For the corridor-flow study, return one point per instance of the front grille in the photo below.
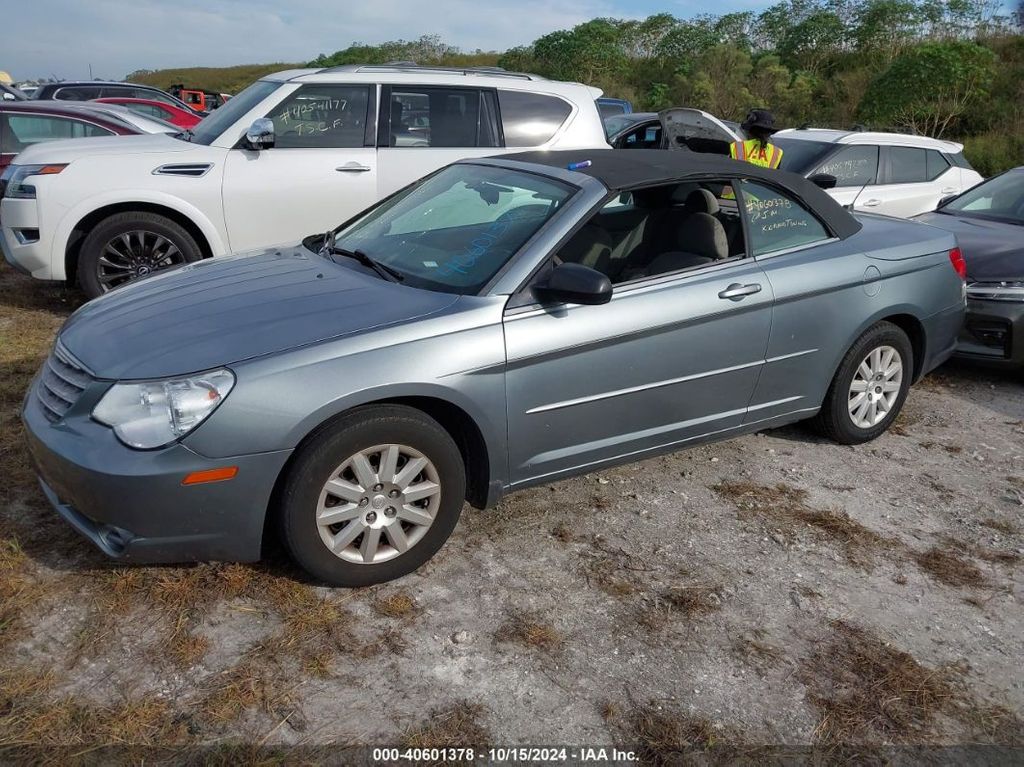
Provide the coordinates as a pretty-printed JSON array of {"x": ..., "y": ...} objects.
[{"x": 61, "y": 384}]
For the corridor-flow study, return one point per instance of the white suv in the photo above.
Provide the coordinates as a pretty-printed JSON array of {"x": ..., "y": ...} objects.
[
  {"x": 890, "y": 173},
  {"x": 295, "y": 153}
]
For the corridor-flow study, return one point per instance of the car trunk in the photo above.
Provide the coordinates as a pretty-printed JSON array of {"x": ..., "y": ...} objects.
[{"x": 694, "y": 130}]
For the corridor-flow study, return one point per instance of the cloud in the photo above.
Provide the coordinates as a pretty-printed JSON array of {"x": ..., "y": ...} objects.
[{"x": 63, "y": 37}]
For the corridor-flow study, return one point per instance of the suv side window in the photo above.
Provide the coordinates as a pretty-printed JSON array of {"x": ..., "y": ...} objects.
[
  {"x": 429, "y": 116},
  {"x": 322, "y": 116},
  {"x": 777, "y": 222},
  {"x": 531, "y": 119},
  {"x": 936, "y": 164},
  {"x": 907, "y": 165},
  {"x": 24, "y": 130},
  {"x": 77, "y": 93},
  {"x": 852, "y": 166}
]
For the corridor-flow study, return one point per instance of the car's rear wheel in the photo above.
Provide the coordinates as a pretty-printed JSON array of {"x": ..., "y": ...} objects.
[
  {"x": 131, "y": 246},
  {"x": 373, "y": 496},
  {"x": 869, "y": 387}
]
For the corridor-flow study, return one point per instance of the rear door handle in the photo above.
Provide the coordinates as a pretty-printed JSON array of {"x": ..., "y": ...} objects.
[
  {"x": 872, "y": 203},
  {"x": 353, "y": 167},
  {"x": 736, "y": 291}
]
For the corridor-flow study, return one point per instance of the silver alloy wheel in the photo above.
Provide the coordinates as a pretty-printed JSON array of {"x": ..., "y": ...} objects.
[
  {"x": 378, "y": 504},
  {"x": 875, "y": 386},
  {"x": 135, "y": 255}
]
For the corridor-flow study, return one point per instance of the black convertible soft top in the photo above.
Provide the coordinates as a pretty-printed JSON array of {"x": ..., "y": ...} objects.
[{"x": 622, "y": 169}]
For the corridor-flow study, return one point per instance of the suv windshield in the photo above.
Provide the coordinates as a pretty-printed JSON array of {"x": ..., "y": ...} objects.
[
  {"x": 453, "y": 231},
  {"x": 210, "y": 128},
  {"x": 1000, "y": 199},
  {"x": 800, "y": 155}
]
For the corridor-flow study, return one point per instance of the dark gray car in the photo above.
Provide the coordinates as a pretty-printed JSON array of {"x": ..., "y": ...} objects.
[{"x": 501, "y": 323}]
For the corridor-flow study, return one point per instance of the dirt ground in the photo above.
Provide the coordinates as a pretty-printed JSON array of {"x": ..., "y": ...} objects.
[{"x": 774, "y": 589}]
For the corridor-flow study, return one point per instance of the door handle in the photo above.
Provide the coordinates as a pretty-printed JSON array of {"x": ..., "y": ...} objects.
[
  {"x": 353, "y": 167},
  {"x": 949, "y": 190},
  {"x": 736, "y": 291},
  {"x": 872, "y": 203}
]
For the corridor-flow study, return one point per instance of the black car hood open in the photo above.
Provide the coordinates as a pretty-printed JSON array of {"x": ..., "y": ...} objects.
[
  {"x": 994, "y": 251},
  {"x": 233, "y": 308}
]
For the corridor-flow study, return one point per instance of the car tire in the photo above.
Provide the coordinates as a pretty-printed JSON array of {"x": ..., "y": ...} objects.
[
  {"x": 880, "y": 366},
  {"x": 362, "y": 513},
  {"x": 154, "y": 243}
]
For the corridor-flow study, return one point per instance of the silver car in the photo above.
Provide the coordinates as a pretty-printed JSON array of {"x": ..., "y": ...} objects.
[{"x": 499, "y": 324}]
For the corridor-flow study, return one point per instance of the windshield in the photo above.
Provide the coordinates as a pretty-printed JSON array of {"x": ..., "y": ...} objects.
[
  {"x": 453, "y": 231},
  {"x": 801, "y": 155},
  {"x": 1000, "y": 198},
  {"x": 210, "y": 128}
]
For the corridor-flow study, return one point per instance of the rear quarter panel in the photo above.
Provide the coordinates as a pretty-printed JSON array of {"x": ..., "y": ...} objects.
[{"x": 827, "y": 296}]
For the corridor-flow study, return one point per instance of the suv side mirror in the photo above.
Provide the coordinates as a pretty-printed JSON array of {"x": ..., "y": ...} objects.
[
  {"x": 824, "y": 180},
  {"x": 260, "y": 134},
  {"x": 574, "y": 284}
]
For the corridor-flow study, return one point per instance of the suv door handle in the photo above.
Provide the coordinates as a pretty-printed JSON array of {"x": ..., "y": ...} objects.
[
  {"x": 949, "y": 190},
  {"x": 353, "y": 167},
  {"x": 872, "y": 203},
  {"x": 736, "y": 291}
]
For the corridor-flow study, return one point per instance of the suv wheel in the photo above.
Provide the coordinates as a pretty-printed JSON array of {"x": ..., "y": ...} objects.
[
  {"x": 131, "y": 246},
  {"x": 869, "y": 388},
  {"x": 372, "y": 497}
]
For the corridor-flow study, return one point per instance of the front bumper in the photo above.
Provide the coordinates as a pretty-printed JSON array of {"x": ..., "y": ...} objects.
[
  {"x": 21, "y": 241},
  {"x": 993, "y": 333},
  {"x": 131, "y": 503}
]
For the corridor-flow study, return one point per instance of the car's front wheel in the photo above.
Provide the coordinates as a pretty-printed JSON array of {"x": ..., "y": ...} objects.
[
  {"x": 869, "y": 387},
  {"x": 373, "y": 496},
  {"x": 131, "y": 246}
]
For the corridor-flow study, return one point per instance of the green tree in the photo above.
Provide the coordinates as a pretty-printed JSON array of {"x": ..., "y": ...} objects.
[
  {"x": 929, "y": 87},
  {"x": 588, "y": 52}
]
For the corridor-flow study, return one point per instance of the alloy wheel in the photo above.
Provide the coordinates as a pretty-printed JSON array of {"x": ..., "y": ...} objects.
[
  {"x": 378, "y": 504},
  {"x": 135, "y": 255},
  {"x": 875, "y": 386}
]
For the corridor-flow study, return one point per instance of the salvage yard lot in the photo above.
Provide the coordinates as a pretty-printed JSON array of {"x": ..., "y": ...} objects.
[{"x": 773, "y": 589}]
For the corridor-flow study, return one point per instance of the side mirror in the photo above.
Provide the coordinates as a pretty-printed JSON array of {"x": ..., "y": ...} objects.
[
  {"x": 824, "y": 180},
  {"x": 575, "y": 284},
  {"x": 260, "y": 134}
]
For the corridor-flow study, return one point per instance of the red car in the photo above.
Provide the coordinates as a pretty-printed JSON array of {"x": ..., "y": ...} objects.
[
  {"x": 23, "y": 123},
  {"x": 183, "y": 118}
]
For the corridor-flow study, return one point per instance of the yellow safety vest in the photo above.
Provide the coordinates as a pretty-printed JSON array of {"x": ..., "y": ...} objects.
[{"x": 756, "y": 153}]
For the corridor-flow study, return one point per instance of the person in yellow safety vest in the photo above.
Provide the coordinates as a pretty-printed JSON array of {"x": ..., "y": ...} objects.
[{"x": 757, "y": 150}]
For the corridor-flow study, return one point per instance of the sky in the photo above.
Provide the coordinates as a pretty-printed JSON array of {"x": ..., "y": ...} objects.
[{"x": 62, "y": 38}]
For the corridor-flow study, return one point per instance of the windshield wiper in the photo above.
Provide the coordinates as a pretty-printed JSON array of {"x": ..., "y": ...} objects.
[{"x": 385, "y": 271}]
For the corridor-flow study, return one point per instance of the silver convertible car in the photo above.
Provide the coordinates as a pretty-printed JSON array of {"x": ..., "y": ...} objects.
[{"x": 498, "y": 324}]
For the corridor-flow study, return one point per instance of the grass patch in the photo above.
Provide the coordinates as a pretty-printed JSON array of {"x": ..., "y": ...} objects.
[
  {"x": 456, "y": 725},
  {"x": 689, "y": 601},
  {"x": 527, "y": 629},
  {"x": 756, "y": 652},
  {"x": 948, "y": 565},
  {"x": 395, "y": 605},
  {"x": 785, "y": 504},
  {"x": 20, "y": 589},
  {"x": 664, "y": 736},
  {"x": 1004, "y": 526}
]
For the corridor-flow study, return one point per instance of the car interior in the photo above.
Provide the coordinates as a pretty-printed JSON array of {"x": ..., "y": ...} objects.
[{"x": 652, "y": 231}]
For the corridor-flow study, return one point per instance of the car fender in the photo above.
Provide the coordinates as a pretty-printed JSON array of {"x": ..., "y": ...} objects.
[
  {"x": 885, "y": 312},
  {"x": 212, "y": 231}
]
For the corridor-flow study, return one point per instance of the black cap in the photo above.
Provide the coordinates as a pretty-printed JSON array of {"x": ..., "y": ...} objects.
[{"x": 761, "y": 119}]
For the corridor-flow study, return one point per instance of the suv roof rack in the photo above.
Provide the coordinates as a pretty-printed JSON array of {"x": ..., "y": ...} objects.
[{"x": 412, "y": 66}]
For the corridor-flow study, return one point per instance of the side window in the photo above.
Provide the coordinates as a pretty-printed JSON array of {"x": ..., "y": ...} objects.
[
  {"x": 659, "y": 230},
  {"x": 77, "y": 93},
  {"x": 853, "y": 166},
  {"x": 777, "y": 222},
  {"x": 531, "y": 119},
  {"x": 907, "y": 165},
  {"x": 25, "y": 130},
  {"x": 322, "y": 116},
  {"x": 936, "y": 164},
  {"x": 440, "y": 117},
  {"x": 644, "y": 137}
]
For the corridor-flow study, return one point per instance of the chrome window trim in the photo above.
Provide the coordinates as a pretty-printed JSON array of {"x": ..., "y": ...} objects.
[{"x": 796, "y": 248}]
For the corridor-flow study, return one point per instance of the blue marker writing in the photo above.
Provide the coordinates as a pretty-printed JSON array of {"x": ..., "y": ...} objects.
[{"x": 578, "y": 165}]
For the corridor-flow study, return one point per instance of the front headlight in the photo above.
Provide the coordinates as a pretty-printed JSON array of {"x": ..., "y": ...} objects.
[
  {"x": 12, "y": 182},
  {"x": 155, "y": 413},
  {"x": 1012, "y": 290}
]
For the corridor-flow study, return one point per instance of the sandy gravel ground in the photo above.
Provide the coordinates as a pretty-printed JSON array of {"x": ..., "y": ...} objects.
[{"x": 774, "y": 589}]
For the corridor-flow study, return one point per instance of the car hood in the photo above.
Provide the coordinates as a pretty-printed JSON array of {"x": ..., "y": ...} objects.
[
  {"x": 50, "y": 152},
  {"x": 994, "y": 251},
  {"x": 233, "y": 308}
]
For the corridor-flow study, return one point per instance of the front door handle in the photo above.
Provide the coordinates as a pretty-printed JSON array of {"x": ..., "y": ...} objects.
[
  {"x": 949, "y": 190},
  {"x": 872, "y": 203},
  {"x": 353, "y": 167},
  {"x": 736, "y": 291}
]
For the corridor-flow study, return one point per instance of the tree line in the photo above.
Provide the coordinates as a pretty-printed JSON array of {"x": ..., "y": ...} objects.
[{"x": 944, "y": 68}]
